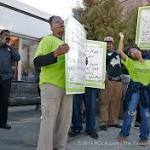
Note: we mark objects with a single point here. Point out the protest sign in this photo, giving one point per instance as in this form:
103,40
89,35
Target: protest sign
85,63
95,64
75,37
143,28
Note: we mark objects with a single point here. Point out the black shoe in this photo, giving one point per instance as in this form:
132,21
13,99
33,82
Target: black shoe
115,126
5,126
143,142
103,127
93,134
137,124
73,133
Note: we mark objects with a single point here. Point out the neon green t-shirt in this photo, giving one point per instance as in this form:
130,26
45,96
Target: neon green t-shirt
139,72
53,73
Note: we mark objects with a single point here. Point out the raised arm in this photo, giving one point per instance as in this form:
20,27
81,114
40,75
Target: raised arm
121,46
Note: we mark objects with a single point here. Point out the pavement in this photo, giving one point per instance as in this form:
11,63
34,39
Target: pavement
25,122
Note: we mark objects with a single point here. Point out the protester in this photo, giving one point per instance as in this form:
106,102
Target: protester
8,55
55,104
89,99
136,124
139,71
110,97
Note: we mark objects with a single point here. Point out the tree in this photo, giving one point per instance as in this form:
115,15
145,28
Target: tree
105,17
77,11
130,27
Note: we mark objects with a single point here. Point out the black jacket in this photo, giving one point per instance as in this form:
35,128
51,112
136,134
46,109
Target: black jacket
8,55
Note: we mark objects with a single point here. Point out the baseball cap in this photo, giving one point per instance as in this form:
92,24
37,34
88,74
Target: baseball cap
108,39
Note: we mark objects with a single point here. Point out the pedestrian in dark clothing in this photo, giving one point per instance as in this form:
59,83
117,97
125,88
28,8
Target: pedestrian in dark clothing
7,56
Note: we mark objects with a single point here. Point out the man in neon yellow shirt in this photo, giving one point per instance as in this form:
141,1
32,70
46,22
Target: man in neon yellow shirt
139,71
56,105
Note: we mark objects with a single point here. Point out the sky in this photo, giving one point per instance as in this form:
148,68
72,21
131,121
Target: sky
54,7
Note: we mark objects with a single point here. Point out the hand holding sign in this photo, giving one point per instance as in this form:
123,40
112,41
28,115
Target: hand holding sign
62,49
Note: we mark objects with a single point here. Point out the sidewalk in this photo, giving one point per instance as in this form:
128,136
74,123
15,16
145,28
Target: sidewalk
25,123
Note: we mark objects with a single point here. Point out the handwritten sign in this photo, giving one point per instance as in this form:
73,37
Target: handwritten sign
95,64
143,28
75,37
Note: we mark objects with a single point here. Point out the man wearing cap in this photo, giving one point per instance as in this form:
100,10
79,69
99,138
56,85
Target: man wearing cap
110,97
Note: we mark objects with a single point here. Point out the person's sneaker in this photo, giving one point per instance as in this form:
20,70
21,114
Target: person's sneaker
121,139
93,134
103,127
73,133
5,126
143,142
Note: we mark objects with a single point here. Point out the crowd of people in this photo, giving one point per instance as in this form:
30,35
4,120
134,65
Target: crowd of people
63,115
56,111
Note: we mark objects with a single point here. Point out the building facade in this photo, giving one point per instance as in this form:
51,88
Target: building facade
27,25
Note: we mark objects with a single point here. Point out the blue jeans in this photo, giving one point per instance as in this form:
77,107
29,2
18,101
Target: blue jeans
89,99
129,114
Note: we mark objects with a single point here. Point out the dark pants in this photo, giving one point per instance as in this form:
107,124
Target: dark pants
89,99
138,117
5,86
39,102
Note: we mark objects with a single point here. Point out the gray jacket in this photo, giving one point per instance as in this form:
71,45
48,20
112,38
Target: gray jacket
8,55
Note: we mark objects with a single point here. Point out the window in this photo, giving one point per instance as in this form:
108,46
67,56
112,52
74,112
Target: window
27,54
14,42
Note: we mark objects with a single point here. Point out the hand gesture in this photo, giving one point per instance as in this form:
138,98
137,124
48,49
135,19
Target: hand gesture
62,49
121,35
